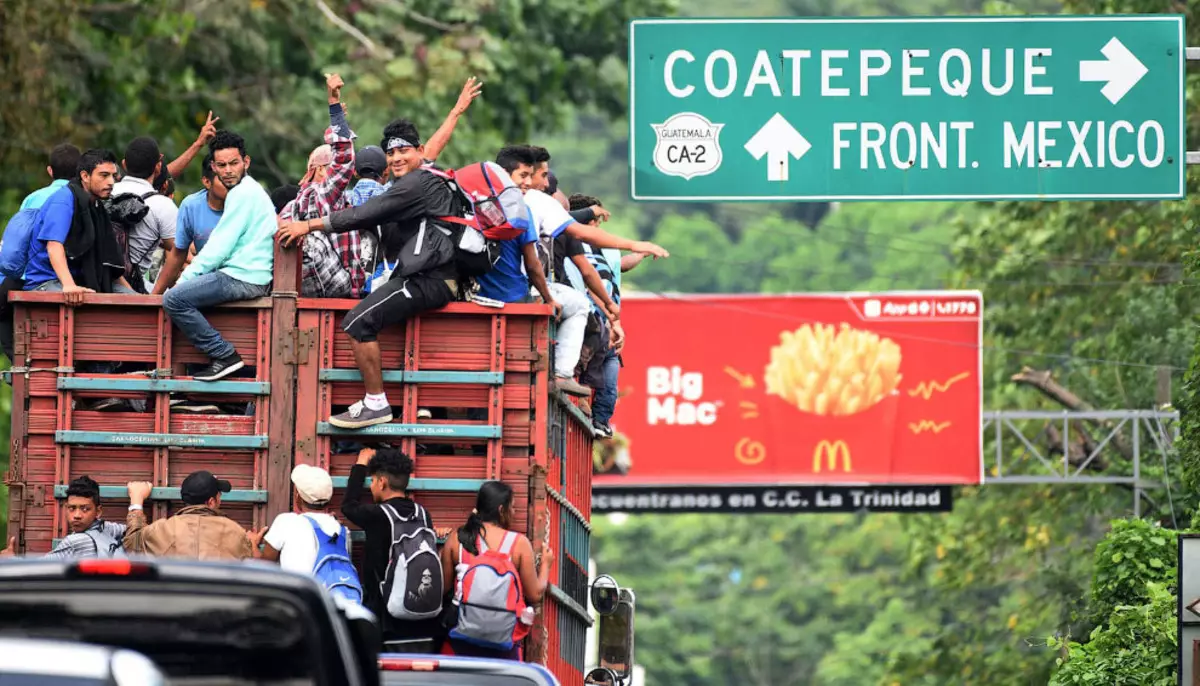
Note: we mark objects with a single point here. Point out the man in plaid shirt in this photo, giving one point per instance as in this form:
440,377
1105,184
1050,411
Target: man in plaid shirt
333,266
90,535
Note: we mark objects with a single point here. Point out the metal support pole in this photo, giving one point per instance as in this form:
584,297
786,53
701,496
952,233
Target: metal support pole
1193,55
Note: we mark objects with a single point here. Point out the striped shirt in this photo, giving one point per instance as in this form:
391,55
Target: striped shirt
83,545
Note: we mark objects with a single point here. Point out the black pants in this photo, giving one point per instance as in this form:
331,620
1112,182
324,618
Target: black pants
398,300
6,316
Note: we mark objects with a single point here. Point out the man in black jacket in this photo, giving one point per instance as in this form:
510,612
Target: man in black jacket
389,471
426,278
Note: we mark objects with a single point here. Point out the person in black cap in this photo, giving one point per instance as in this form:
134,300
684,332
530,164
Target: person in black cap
370,164
197,531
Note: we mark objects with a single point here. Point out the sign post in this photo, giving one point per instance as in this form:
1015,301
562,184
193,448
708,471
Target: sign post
962,108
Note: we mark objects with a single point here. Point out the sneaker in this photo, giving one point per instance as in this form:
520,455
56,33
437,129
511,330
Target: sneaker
358,416
219,369
424,413
601,430
572,387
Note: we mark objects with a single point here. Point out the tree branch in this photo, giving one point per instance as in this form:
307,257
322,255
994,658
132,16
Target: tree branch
347,28
1044,382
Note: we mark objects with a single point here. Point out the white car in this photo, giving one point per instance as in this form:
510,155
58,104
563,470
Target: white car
31,662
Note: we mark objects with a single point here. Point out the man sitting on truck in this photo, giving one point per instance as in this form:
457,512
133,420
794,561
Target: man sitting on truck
199,214
427,277
90,535
236,263
73,249
198,530
551,221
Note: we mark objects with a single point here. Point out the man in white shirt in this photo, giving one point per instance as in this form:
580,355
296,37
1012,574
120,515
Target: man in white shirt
551,219
290,540
143,162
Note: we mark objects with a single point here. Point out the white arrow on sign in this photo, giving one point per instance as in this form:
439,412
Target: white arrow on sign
1122,70
777,139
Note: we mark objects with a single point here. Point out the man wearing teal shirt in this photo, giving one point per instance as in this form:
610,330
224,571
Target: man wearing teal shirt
235,264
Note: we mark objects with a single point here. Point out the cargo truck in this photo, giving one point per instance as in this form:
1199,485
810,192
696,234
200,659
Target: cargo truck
482,373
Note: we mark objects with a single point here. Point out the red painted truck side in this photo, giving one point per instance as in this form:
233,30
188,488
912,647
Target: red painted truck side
483,373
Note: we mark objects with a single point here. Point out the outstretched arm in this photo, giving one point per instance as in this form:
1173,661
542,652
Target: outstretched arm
440,138
176,167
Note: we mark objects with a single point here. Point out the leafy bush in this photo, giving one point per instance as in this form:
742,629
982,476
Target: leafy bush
1136,647
1136,552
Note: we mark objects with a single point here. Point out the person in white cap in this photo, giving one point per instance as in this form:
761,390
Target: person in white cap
291,539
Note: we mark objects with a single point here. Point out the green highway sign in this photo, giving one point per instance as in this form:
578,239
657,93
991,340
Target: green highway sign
955,108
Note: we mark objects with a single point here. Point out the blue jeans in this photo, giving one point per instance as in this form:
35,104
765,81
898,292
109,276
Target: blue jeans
183,302
55,286
605,402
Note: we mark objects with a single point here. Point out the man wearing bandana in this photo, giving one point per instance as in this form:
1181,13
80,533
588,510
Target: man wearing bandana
426,278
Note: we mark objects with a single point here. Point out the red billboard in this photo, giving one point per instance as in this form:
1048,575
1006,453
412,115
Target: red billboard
822,389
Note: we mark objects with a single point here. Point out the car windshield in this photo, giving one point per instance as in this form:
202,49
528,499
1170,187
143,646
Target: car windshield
196,638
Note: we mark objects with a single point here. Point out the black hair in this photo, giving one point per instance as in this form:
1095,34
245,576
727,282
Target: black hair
64,161
85,487
512,156
163,182
281,196
400,128
493,496
394,466
225,140
579,201
141,156
540,154
93,158
206,170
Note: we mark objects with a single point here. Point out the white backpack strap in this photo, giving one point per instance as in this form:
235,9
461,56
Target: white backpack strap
510,539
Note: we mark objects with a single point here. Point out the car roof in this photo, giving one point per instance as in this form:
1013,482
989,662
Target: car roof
483,665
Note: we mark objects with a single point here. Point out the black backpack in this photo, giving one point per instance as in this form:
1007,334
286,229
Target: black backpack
126,211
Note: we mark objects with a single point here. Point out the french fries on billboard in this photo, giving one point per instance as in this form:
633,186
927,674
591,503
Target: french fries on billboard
833,371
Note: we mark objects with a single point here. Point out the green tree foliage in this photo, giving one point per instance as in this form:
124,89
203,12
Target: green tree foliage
1134,641
1137,646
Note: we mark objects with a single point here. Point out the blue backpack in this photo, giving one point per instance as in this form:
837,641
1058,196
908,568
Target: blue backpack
333,568
14,248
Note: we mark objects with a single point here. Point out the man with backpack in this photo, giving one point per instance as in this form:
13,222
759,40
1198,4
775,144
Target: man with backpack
14,247
311,540
143,218
72,246
409,216
402,571
90,535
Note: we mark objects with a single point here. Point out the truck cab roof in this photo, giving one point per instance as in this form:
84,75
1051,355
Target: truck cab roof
200,622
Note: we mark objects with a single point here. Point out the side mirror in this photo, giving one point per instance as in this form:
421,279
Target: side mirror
616,638
606,594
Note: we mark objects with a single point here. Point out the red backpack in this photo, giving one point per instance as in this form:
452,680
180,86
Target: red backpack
489,597
496,206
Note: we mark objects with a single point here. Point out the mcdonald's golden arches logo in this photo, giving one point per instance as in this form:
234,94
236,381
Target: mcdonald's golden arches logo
830,450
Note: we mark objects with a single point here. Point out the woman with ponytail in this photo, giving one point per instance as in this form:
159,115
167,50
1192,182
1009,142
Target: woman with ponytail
490,523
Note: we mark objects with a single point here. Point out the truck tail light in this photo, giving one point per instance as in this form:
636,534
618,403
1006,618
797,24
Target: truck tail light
112,567
404,664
